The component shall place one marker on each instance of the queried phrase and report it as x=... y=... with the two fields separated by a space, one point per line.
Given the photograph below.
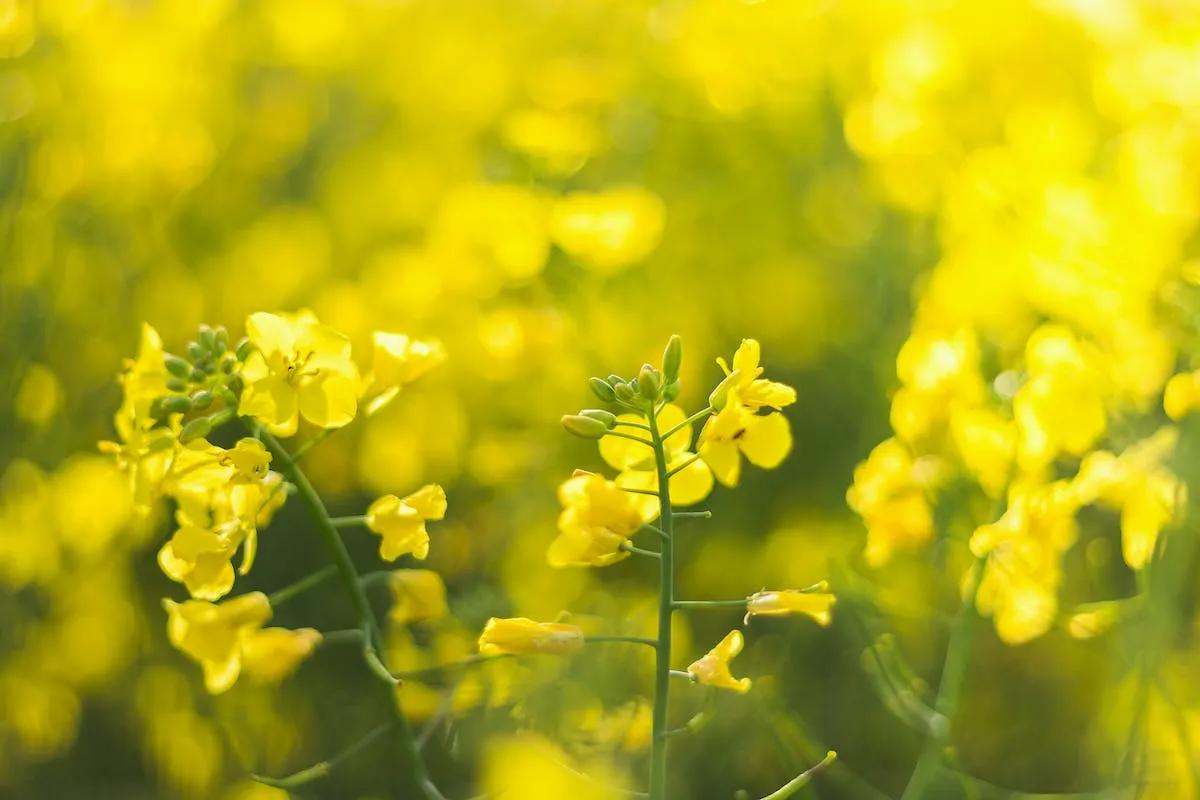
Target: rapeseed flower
x=712 y=669
x=401 y=522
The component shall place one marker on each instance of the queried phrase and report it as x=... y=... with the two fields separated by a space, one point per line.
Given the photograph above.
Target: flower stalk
x=666 y=600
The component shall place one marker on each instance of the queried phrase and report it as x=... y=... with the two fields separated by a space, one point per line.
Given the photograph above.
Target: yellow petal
x=691 y=484
x=767 y=440
x=330 y=401
x=723 y=459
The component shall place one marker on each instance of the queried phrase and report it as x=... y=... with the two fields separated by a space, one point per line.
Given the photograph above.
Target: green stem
x=348 y=522
x=803 y=779
x=630 y=437
x=303 y=585
x=348 y=636
x=410 y=766
x=681 y=467
x=710 y=603
x=639 y=551
x=694 y=417
x=666 y=600
x=323 y=768
x=954 y=672
x=629 y=639
x=693 y=515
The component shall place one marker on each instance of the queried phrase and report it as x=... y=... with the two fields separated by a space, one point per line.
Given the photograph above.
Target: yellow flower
x=301 y=367
x=987 y=444
x=713 y=668
x=597 y=518
x=401 y=522
x=818 y=605
x=1148 y=495
x=398 y=361
x=417 y=594
x=889 y=493
x=272 y=654
x=1019 y=586
x=201 y=560
x=737 y=430
x=608 y=230
x=635 y=461
x=249 y=458
x=1182 y=395
x=1060 y=408
x=214 y=635
x=939 y=374
x=521 y=636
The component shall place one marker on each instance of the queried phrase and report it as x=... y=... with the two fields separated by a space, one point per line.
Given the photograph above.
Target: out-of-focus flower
x=401 y=522
x=521 y=636
x=782 y=603
x=608 y=230
x=1182 y=395
x=417 y=595
x=533 y=768
x=214 y=635
x=987 y=444
x=712 y=669
x=889 y=493
x=272 y=654
x=300 y=367
x=598 y=517
x=939 y=375
x=398 y=361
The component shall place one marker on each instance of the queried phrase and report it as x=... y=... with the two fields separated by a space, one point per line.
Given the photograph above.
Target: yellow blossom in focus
x=785 y=602
x=736 y=430
x=608 y=230
x=417 y=595
x=521 y=636
x=889 y=493
x=214 y=635
x=712 y=669
x=272 y=654
x=689 y=486
x=401 y=522
x=597 y=518
x=300 y=368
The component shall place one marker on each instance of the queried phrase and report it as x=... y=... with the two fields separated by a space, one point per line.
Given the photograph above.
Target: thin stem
x=631 y=490
x=630 y=639
x=410 y=766
x=638 y=551
x=312 y=442
x=693 y=418
x=655 y=530
x=666 y=599
x=693 y=515
x=348 y=522
x=323 y=768
x=687 y=676
x=303 y=585
x=741 y=603
x=954 y=672
x=630 y=437
x=803 y=779
x=348 y=636
x=681 y=467
x=628 y=424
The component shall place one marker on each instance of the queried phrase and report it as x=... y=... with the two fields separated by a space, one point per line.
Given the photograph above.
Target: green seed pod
x=176 y=384
x=244 y=348
x=672 y=358
x=649 y=383
x=197 y=428
x=176 y=404
x=602 y=389
x=179 y=367
x=202 y=399
x=600 y=415
x=195 y=351
x=624 y=393
x=584 y=427
x=720 y=395
x=671 y=391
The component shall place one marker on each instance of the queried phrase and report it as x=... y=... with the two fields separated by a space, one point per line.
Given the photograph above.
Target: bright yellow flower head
x=201 y=560
x=214 y=635
x=272 y=654
x=301 y=367
x=417 y=594
x=249 y=458
x=755 y=392
x=1182 y=395
x=712 y=669
x=608 y=230
x=987 y=444
x=597 y=518
x=785 y=602
x=398 y=361
x=635 y=461
x=939 y=374
x=401 y=522
x=889 y=493
x=521 y=636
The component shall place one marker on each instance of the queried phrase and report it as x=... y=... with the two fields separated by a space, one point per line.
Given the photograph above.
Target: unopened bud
x=720 y=395
x=202 y=399
x=244 y=348
x=220 y=339
x=649 y=383
x=228 y=363
x=600 y=415
x=671 y=390
x=602 y=389
x=207 y=338
x=176 y=384
x=584 y=427
x=179 y=367
x=196 y=429
x=614 y=379
x=624 y=393
x=195 y=351
x=672 y=358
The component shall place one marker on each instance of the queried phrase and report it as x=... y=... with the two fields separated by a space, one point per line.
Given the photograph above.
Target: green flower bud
x=196 y=429
x=720 y=395
x=195 y=351
x=179 y=367
x=614 y=379
x=584 y=427
x=207 y=339
x=197 y=375
x=221 y=339
x=649 y=383
x=175 y=404
x=602 y=389
x=176 y=384
x=202 y=399
x=624 y=393
x=672 y=358
x=244 y=348
x=671 y=391
x=607 y=417
x=235 y=384
x=228 y=363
